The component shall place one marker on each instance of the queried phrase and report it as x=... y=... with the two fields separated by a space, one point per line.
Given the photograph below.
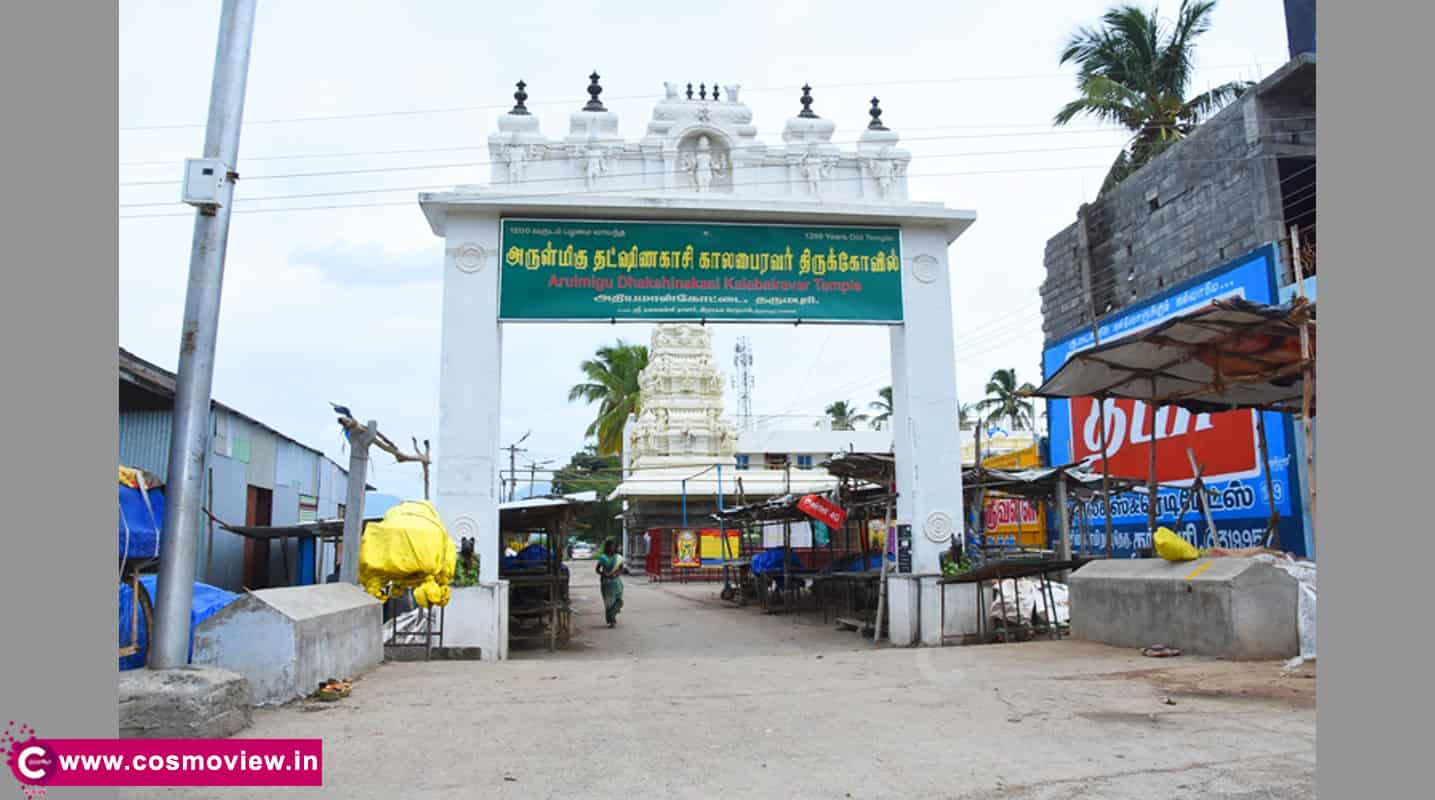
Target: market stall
x=539 y=608
x=1231 y=354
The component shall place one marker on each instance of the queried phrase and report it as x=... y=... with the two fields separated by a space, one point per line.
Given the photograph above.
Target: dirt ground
x=691 y=697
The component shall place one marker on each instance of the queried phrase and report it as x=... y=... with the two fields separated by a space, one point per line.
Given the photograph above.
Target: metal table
x=848 y=580
x=555 y=610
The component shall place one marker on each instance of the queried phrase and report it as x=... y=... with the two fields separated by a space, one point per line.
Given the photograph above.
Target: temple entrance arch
x=593 y=228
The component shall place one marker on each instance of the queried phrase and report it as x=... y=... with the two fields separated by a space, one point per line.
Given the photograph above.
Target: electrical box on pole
x=203 y=182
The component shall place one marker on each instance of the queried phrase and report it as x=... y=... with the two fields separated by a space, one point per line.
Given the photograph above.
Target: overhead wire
x=633 y=191
x=755 y=148
x=1047 y=130
x=964 y=352
x=627 y=98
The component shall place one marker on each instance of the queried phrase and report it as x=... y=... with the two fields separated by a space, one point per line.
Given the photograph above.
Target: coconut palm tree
x=1004 y=401
x=965 y=416
x=882 y=405
x=1134 y=69
x=843 y=416
x=613 y=384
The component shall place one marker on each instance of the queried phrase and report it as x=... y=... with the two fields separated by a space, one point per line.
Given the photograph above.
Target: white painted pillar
x=466 y=474
x=469 y=379
x=924 y=399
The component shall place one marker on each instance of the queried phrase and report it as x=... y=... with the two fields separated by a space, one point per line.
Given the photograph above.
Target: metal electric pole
x=189 y=439
x=533 y=473
x=513 y=451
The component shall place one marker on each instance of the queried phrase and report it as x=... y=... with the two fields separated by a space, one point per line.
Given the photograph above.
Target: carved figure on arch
x=814 y=168
x=885 y=170
x=595 y=163
x=516 y=157
x=703 y=165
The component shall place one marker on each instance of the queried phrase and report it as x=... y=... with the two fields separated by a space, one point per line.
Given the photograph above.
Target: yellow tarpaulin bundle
x=408 y=549
x=133 y=478
x=1172 y=547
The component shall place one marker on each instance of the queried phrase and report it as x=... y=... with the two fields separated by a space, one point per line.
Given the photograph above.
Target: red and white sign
x=1225 y=443
x=824 y=511
x=1011 y=512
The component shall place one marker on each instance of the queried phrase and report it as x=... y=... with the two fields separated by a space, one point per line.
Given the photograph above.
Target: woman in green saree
x=610 y=567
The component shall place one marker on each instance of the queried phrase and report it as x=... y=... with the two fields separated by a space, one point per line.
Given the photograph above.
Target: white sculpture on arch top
x=706 y=164
x=671 y=158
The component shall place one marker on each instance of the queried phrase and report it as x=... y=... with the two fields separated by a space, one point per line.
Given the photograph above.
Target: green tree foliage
x=612 y=383
x=1004 y=401
x=843 y=416
x=587 y=471
x=1134 y=70
x=883 y=406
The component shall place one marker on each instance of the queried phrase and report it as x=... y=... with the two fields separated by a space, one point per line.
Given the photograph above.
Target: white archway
x=805 y=182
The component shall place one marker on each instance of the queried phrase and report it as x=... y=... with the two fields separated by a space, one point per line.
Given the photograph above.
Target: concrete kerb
x=191 y=702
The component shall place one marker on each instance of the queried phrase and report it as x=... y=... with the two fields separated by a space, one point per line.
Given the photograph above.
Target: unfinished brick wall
x=1205 y=201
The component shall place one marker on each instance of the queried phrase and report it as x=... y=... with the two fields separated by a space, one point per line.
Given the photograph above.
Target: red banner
x=1225 y=443
x=824 y=511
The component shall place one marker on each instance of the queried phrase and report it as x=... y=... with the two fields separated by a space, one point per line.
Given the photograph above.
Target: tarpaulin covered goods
x=408 y=549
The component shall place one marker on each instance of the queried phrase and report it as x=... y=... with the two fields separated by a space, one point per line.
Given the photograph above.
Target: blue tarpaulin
x=855 y=563
x=208 y=600
x=770 y=560
x=531 y=556
x=140 y=523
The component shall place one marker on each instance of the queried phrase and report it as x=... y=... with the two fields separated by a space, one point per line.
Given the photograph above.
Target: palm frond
x=1205 y=104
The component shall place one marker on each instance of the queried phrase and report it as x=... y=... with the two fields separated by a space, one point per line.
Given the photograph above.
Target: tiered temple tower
x=682 y=419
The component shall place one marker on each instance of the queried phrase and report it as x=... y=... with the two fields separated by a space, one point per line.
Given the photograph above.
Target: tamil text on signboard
x=575 y=270
x=1224 y=444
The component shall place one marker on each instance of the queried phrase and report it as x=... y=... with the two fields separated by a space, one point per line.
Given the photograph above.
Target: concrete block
x=287 y=641
x=477 y=617
x=1235 y=608
x=190 y=702
x=903 y=613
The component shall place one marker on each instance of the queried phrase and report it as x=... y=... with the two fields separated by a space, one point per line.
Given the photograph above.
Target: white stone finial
x=882 y=161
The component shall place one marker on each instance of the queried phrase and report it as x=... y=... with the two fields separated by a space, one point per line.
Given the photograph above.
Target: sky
x=324 y=304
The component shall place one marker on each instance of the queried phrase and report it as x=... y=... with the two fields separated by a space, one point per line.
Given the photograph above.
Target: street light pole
x=189 y=439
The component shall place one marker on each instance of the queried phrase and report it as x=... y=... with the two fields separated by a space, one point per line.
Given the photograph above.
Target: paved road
x=687 y=698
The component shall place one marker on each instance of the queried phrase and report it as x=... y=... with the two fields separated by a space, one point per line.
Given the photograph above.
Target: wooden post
x=424 y=461
x=1063 y=547
x=1273 y=533
x=1085 y=254
x=1307 y=382
x=981 y=492
x=209 y=548
x=1200 y=487
x=887 y=545
x=1152 y=487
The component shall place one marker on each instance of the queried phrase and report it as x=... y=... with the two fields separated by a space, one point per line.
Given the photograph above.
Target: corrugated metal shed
x=297 y=467
x=144 y=440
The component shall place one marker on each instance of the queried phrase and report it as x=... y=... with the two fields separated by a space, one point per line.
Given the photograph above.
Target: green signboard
x=577 y=270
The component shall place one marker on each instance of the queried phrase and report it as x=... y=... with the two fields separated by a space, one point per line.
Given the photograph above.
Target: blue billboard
x=1225 y=445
